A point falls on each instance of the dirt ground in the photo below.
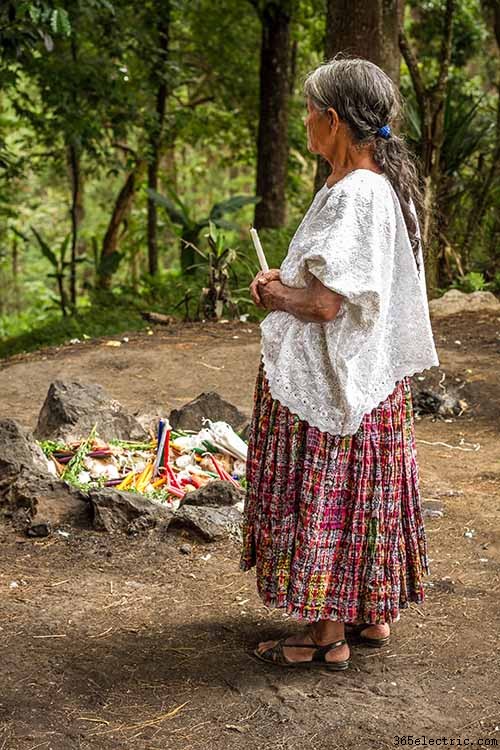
(113, 643)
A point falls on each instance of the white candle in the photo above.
(258, 249)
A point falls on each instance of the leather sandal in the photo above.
(355, 633)
(275, 655)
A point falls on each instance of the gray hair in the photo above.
(366, 99)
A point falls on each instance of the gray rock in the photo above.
(217, 494)
(186, 549)
(27, 489)
(115, 510)
(71, 410)
(455, 301)
(149, 421)
(39, 529)
(209, 405)
(19, 451)
(207, 523)
(141, 525)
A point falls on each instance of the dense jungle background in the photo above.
(139, 141)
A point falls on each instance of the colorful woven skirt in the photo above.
(334, 524)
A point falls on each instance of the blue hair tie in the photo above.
(384, 131)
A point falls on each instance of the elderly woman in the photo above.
(333, 519)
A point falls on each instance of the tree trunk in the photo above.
(362, 28)
(170, 164)
(77, 212)
(121, 210)
(272, 137)
(15, 274)
(155, 137)
(366, 28)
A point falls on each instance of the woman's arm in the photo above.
(313, 304)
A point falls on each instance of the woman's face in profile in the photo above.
(318, 129)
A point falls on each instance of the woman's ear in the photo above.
(333, 118)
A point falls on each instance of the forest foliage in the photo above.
(139, 141)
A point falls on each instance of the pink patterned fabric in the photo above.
(334, 524)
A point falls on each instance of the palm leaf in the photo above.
(231, 204)
(178, 217)
(46, 251)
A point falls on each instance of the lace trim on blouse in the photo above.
(353, 238)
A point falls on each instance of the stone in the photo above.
(207, 523)
(39, 528)
(186, 549)
(28, 489)
(149, 421)
(454, 301)
(141, 525)
(72, 409)
(217, 494)
(209, 405)
(19, 451)
(129, 512)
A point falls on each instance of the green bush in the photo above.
(473, 281)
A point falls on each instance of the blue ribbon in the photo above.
(384, 131)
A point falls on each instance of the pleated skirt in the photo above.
(332, 524)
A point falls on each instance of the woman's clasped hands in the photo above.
(263, 288)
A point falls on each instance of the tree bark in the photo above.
(363, 28)
(366, 28)
(121, 210)
(163, 9)
(77, 209)
(272, 137)
(77, 212)
(15, 274)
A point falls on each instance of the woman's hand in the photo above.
(260, 281)
(271, 294)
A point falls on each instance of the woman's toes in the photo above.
(339, 654)
(376, 631)
(264, 645)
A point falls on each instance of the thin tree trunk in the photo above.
(77, 210)
(15, 274)
(76, 216)
(362, 28)
(163, 9)
(170, 163)
(121, 209)
(293, 66)
(272, 136)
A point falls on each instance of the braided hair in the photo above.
(368, 102)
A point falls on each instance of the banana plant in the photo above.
(190, 228)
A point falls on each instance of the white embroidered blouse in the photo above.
(353, 238)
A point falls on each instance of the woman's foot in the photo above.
(317, 635)
(371, 635)
(376, 631)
